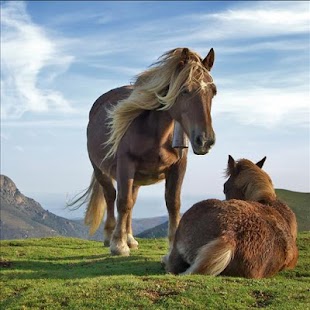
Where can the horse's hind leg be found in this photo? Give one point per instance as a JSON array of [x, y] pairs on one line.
[[110, 196], [131, 241]]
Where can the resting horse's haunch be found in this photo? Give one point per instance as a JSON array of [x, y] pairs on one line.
[[129, 140], [252, 234]]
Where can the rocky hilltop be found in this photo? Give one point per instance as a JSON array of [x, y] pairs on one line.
[[23, 217]]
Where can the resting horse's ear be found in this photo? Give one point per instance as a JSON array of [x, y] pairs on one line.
[[261, 162], [209, 60], [231, 166]]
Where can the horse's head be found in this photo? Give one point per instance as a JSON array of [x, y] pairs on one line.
[[194, 90], [247, 181]]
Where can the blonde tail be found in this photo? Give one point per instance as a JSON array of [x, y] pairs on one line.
[[96, 206], [212, 258]]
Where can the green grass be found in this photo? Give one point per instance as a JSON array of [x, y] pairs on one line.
[[67, 273], [299, 203]]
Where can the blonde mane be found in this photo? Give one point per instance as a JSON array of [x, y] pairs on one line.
[[256, 183], [156, 88]]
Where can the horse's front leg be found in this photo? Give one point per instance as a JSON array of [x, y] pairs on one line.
[[174, 180], [125, 202], [131, 241]]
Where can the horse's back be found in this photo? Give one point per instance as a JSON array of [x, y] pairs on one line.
[[110, 97], [233, 215]]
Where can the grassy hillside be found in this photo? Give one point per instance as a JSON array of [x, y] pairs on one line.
[[66, 273], [300, 204], [159, 231]]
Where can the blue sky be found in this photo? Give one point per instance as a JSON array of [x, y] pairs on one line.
[[58, 57]]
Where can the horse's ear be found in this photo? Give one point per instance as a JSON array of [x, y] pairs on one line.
[[231, 166], [184, 57], [209, 60], [261, 162], [185, 54]]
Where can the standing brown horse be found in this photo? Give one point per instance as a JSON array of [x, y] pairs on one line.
[[253, 237], [129, 139]]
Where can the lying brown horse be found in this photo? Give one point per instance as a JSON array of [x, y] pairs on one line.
[[252, 234], [129, 139]]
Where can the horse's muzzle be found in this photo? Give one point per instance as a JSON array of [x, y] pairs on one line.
[[201, 144]]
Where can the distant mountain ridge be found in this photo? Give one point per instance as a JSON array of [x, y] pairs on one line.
[[23, 217]]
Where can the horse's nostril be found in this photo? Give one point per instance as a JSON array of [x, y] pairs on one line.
[[199, 141]]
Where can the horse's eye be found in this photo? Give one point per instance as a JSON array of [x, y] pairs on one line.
[[185, 92]]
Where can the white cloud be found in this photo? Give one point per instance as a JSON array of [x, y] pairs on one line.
[[141, 44], [255, 20], [269, 20], [275, 45], [27, 51], [265, 107]]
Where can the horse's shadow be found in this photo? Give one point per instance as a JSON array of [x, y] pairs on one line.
[[68, 268]]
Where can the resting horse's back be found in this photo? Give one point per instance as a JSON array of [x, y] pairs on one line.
[[259, 235], [97, 130]]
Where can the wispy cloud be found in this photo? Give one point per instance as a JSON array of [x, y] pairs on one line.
[[251, 20], [126, 70], [235, 30], [30, 60], [117, 51], [263, 19], [265, 107], [80, 17]]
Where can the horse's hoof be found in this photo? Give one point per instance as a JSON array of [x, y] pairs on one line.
[[121, 250], [134, 246], [132, 242]]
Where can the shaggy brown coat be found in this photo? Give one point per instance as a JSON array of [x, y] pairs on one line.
[[236, 237]]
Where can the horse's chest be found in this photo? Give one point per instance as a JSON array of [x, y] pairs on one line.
[[152, 168]]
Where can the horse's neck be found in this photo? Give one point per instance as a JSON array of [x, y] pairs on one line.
[[159, 122]]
